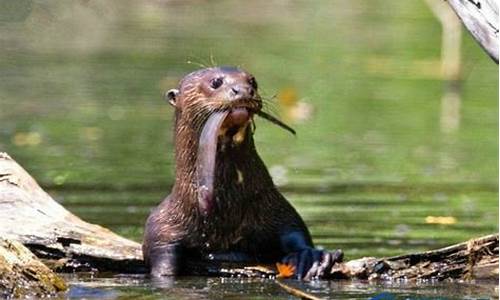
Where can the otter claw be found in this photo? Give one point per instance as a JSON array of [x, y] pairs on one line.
[[312, 263]]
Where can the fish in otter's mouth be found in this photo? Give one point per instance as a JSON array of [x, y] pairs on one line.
[[228, 99], [231, 123]]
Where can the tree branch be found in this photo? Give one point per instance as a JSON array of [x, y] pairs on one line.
[[480, 17]]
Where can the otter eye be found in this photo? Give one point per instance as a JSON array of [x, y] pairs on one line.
[[216, 83], [253, 83]]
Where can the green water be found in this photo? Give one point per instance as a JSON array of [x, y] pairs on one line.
[[81, 110]]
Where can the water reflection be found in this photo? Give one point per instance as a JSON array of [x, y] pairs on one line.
[[131, 287], [81, 109]]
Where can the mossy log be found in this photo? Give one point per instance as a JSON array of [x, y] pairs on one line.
[[67, 243], [22, 275]]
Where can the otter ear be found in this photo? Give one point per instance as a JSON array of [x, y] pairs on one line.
[[171, 96]]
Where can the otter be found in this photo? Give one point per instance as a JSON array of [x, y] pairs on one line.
[[224, 205]]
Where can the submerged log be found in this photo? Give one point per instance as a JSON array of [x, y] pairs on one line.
[[64, 241], [22, 275], [67, 243]]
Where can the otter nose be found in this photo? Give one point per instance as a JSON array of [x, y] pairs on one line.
[[242, 91]]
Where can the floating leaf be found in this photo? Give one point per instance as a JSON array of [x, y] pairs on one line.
[[285, 270], [440, 220]]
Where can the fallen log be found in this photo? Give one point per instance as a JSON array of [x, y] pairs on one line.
[[67, 243], [474, 259], [64, 241]]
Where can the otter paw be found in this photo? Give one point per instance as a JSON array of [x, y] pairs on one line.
[[312, 263]]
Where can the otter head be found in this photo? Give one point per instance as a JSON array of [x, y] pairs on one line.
[[218, 104], [227, 90]]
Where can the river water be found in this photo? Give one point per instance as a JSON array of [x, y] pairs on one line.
[[375, 169]]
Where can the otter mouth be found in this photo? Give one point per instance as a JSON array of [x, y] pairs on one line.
[[230, 124], [241, 115]]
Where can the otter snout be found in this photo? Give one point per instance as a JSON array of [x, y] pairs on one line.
[[241, 96], [242, 91]]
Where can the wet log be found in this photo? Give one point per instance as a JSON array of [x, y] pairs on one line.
[[61, 239], [474, 259], [22, 275], [67, 243], [480, 17]]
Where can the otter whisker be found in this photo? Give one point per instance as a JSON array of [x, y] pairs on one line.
[[276, 121], [271, 107], [200, 115], [271, 98], [199, 62], [212, 60], [270, 104]]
